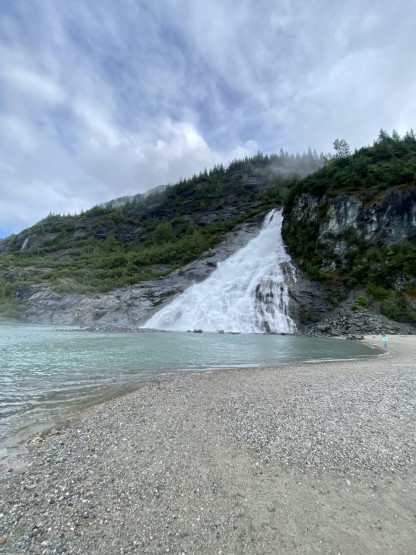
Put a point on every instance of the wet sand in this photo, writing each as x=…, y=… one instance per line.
x=304, y=458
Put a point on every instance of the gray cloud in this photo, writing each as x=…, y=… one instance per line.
x=100, y=99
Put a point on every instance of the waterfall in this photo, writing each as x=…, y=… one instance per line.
x=246, y=293
x=25, y=242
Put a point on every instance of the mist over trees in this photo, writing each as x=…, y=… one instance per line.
x=283, y=164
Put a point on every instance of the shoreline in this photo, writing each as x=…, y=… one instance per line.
x=13, y=444
x=317, y=457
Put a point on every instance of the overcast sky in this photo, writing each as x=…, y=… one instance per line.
x=104, y=98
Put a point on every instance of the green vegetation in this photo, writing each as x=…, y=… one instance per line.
x=361, y=301
x=370, y=171
x=10, y=306
x=92, y=265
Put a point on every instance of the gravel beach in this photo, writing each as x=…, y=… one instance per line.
x=301, y=458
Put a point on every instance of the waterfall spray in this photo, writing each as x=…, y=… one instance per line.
x=247, y=293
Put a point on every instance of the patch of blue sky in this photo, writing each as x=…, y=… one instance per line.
x=5, y=232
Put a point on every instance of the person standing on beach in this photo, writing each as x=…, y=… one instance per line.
x=384, y=340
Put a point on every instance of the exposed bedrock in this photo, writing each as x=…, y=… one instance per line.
x=390, y=219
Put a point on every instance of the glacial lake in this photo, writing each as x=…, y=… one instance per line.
x=47, y=375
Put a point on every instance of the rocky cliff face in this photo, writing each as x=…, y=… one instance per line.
x=336, y=227
x=389, y=219
x=311, y=301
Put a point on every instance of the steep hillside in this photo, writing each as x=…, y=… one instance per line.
x=352, y=226
x=133, y=240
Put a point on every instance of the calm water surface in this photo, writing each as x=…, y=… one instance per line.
x=47, y=375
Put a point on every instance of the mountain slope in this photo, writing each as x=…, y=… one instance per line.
x=124, y=243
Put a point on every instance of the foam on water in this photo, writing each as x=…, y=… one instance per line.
x=247, y=293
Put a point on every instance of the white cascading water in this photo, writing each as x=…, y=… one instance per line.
x=247, y=293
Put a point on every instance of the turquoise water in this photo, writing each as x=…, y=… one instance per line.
x=47, y=375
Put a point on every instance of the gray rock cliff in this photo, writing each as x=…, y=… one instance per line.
x=337, y=224
x=390, y=219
